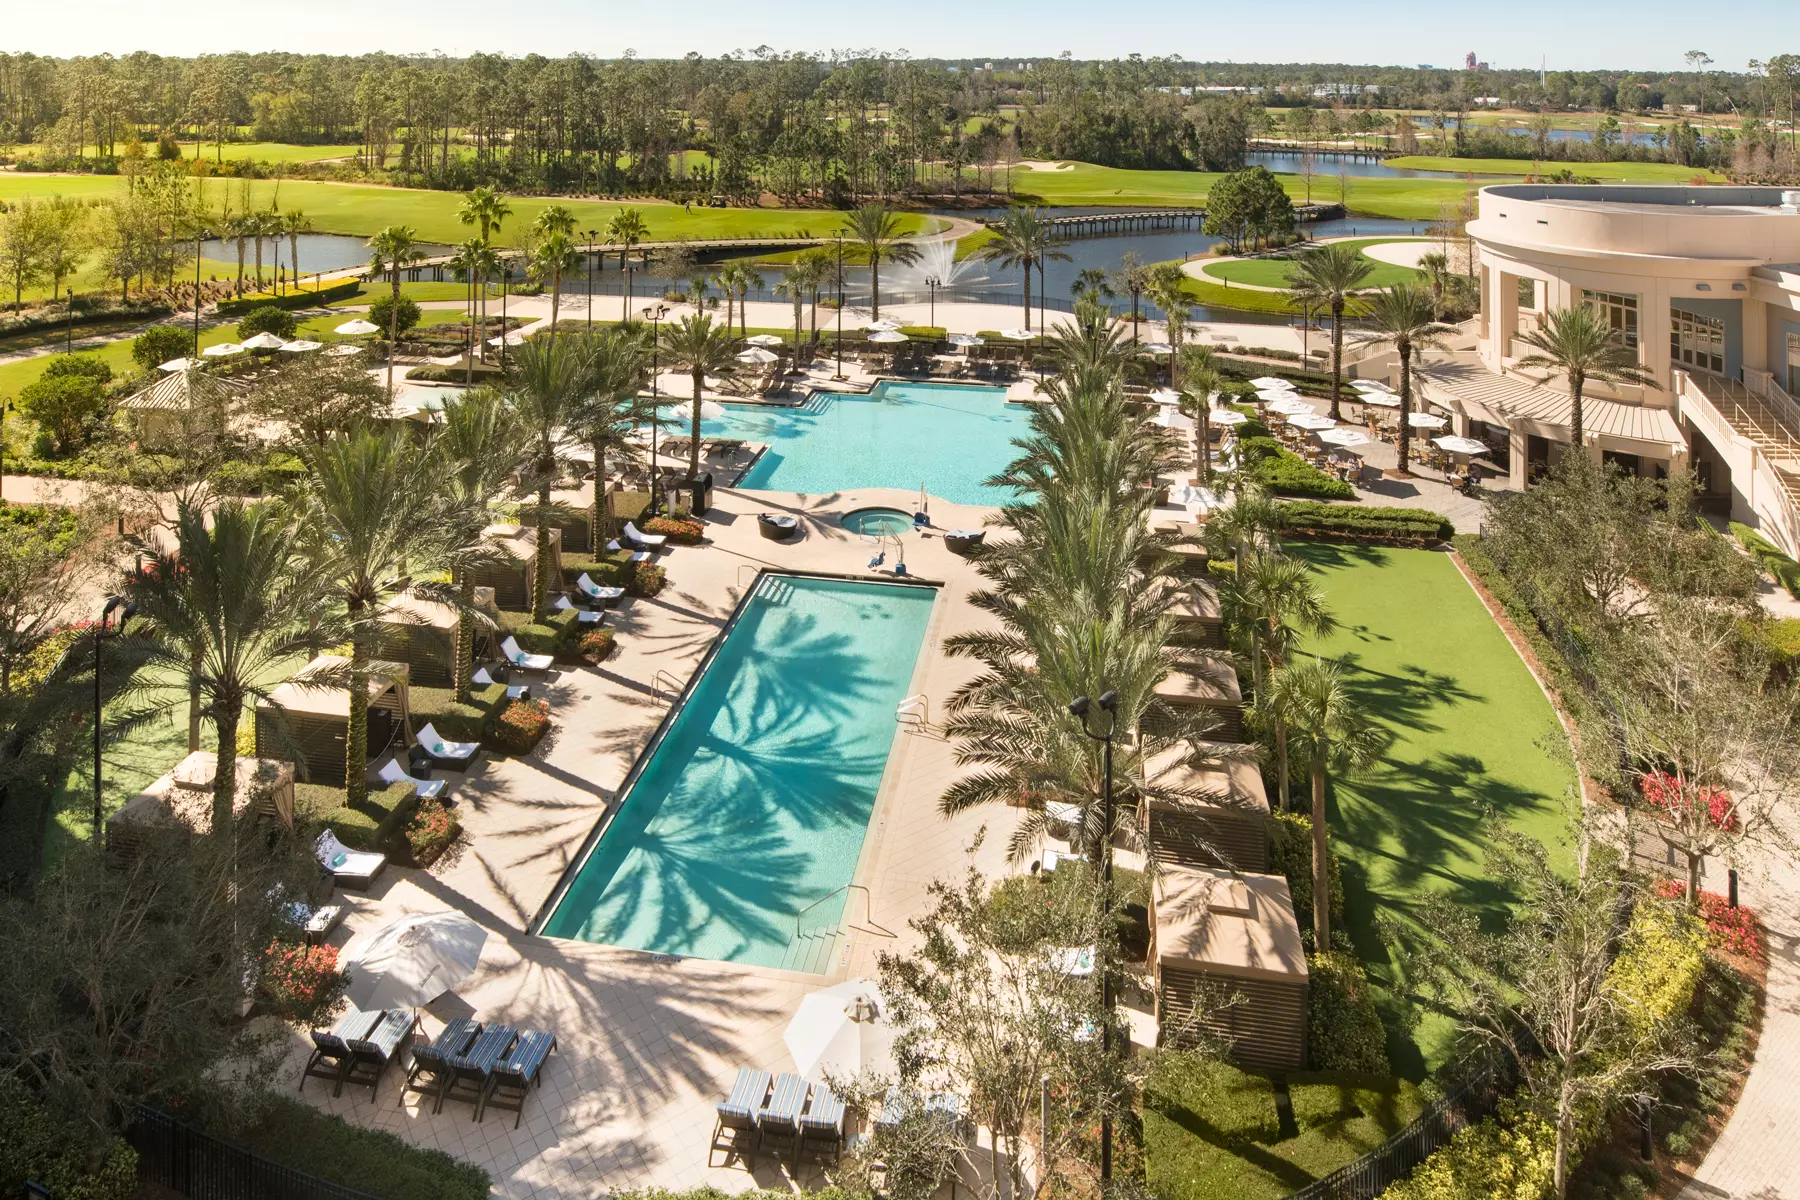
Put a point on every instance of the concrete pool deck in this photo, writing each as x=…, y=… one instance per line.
x=648, y=1045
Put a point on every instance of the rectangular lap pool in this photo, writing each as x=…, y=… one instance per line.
x=753, y=802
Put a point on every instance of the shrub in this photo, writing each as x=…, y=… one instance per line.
x=457, y=722
x=679, y=532
x=1291, y=475
x=533, y=638
x=160, y=343
x=430, y=831
x=65, y=407
x=1769, y=557
x=1510, y=1157
x=1290, y=855
x=382, y=313
x=267, y=318
x=1366, y=521
x=1735, y=930
x=1659, y=964
x=1343, y=1030
x=369, y=1160
x=79, y=366
x=647, y=579
x=300, y=983
x=1666, y=794
x=520, y=725
x=37, y=1145
x=1779, y=638
x=597, y=645
x=1253, y=449
x=376, y=824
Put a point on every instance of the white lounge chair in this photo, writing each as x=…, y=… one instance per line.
x=649, y=541
x=588, y=616
x=353, y=869
x=597, y=593
x=516, y=691
x=455, y=755
x=428, y=789
x=516, y=656
x=637, y=556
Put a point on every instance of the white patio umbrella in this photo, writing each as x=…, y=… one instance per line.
x=264, y=341
x=1420, y=420
x=1166, y=396
x=1019, y=335
x=882, y=326
x=1151, y=347
x=1293, y=406
x=756, y=354
x=763, y=339
x=1226, y=416
x=1379, y=399
x=1344, y=439
x=177, y=364
x=1457, y=444
x=1270, y=383
x=966, y=339
x=223, y=350
x=510, y=339
x=413, y=960
x=1311, y=422
x=888, y=336
x=358, y=328
x=1186, y=495
x=1170, y=418
x=301, y=346
x=710, y=411
x=1370, y=385
x=843, y=1028
x=1274, y=396
x=343, y=351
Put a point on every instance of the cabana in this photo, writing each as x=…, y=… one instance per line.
x=422, y=634
x=1206, y=683
x=1198, y=615
x=514, y=578
x=265, y=787
x=171, y=411
x=309, y=720
x=1214, y=934
x=1230, y=828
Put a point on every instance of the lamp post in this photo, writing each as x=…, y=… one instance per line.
x=1079, y=708
x=505, y=283
x=840, y=376
x=100, y=631
x=69, y=328
x=931, y=287
x=654, y=314
x=592, y=259
x=6, y=406
x=199, y=236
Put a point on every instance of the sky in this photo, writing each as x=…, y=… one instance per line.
x=1564, y=34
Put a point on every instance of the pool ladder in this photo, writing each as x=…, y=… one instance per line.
x=868, y=912
x=914, y=714
x=657, y=682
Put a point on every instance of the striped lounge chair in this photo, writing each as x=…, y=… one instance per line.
x=471, y=1070
x=332, y=1055
x=384, y=1045
x=822, y=1125
x=516, y=1074
x=779, y=1120
x=431, y=1063
x=737, y=1116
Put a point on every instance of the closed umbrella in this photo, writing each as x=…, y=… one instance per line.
x=888, y=336
x=358, y=328
x=763, y=339
x=1457, y=444
x=177, y=364
x=756, y=354
x=264, y=341
x=223, y=350
x=301, y=346
x=413, y=960
x=966, y=339
x=842, y=1029
x=1311, y=422
x=882, y=326
x=1420, y=420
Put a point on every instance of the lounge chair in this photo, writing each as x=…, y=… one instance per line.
x=332, y=1055
x=585, y=616
x=351, y=869
x=597, y=593
x=471, y=1070
x=737, y=1115
x=381, y=1048
x=455, y=756
x=432, y=1062
x=637, y=556
x=644, y=541
x=315, y=921
x=514, y=691
x=780, y=1115
x=513, y=1079
x=822, y=1125
x=516, y=657
x=961, y=541
x=429, y=789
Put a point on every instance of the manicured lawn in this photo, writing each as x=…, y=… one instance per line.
x=15, y=375
x=1472, y=732
x=1606, y=172
x=1275, y=272
x=1086, y=184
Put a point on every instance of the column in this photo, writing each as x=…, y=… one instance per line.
x=1515, y=456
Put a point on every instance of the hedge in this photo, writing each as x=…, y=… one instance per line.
x=1290, y=855
x=1769, y=557
x=458, y=722
x=302, y=298
x=1660, y=963
x=369, y=1160
x=1509, y=1157
x=1343, y=1030
x=1289, y=474
x=1364, y=521
x=374, y=825
x=38, y=1145
x=551, y=637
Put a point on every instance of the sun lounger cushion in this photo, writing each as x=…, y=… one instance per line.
x=514, y=1076
x=515, y=654
x=428, y=789
x=352, y=868
x=636, y=555
x=595, y=591
x=825, y=1115
x=643, y=539
x=781, y=1114
x=438, y=748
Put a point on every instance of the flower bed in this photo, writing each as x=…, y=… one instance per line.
x=299, y=982
x=430, y=832
x=1666, y=794
x=597, y=645
x=648, y=580
x=679, y=532
x=1734, y=930
x=520, y=726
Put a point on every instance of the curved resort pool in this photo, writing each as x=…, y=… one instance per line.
x=872, y=521
x=948, y=438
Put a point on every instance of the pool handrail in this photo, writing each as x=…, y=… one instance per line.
x=873, y=926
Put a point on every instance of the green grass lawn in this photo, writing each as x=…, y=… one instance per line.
x=1607, y=172
x=1472, y=731
x=1086, y=184
x=117, y=354
x=1275, y=272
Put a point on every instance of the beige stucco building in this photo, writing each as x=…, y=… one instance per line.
x=1703, y=281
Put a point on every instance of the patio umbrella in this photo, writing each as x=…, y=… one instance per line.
x=1457, y=444
x=756, y=354
x=842, y=1028
x=223, y=350
x=1379, y=399
x=1166, y=396
x=301, y=346
x=888, y=336
x=1186, y=495
x=178, y=364
x=1370, y=385
x=1344, y=439
x=1019, y=335
x=763, y=339
x=510, y=339
x=264, y=341
x=882, y=326
x=1170, y=418
x=414, y=960
x=358, y=328
x=343, y=351
x=1226, y=416
x=1271, y=383
x=1274, y=396
x=1420, y=420
x=965, y=339
x=1293, y=406
x=1150, y=347
x=710, y=411
x=1311, y=422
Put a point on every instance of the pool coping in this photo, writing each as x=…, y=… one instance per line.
x=566, y=880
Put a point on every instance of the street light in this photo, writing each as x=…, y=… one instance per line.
x=6, y=406
x=592, y=259
x=654, y=314
x=840, y=376
x=1079, y=708
x=932, y=285
x=100, y=631
x=505, y=283
x=69, y=329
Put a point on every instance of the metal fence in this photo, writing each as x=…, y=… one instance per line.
x=1381, y=1168
x=175, y=1155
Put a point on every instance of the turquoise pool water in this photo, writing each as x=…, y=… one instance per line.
x=946, y=437
x=878, y=520
x=754, y=803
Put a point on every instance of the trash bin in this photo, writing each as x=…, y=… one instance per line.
x=699, y=488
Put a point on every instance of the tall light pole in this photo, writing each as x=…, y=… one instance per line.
x=199, y=236
x=592, y=259
x=931, y=286
x=1079, y=708
x=654, y=314
x=505, y=283
x=840, y=376
x=100, y=631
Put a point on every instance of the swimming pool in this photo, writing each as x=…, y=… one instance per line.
x=752, y=805
x=946, y=437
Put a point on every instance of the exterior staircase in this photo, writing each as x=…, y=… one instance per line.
x=1757, y=433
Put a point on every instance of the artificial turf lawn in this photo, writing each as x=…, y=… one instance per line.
x=1472, y=732
x=1606, y=172
x=1275, y=272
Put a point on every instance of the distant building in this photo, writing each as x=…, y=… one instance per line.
x=1469, y=61
x=1326, y=91
x=1486, y=102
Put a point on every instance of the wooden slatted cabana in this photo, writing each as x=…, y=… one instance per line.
x=1230, y=828
x=307, y=719
x=514, y=578
x=422, y=634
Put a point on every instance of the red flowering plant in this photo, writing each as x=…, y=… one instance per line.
x=647, y=580
x=1734, y=930
x=1671, y=796
x=520, y=725
x=597, y=645
x=430, y=831
x=682, y=531
x=301, y=983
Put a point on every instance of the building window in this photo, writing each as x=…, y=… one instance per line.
x=1621, y=312
x=1697, y=341
x=1527, y=297
x=1793, y=364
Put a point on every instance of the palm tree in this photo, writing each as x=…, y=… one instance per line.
x=261, y=225
x=369, y=504
x=394, y=247
x=547, y=383
x=695, y=345
x=1327, y=277
x=1403, y=316
x=483, y=446
x=1132, y=277
x=1276, y=599
x=294, y=224
x=1579, y=343
x=240, y=228
x=1339, y=737
x=1024, y=238
x=880, y=232
x=746, y=280
x=625, y=230
x=795, y=289
x=1168, y=291
x=613, y=410
x=471, y=262
x=556, y=255
x=225, y=606
x=1436, y=265
x=812, y=270
x=1092, y=281
x=487, y=209
x=1200, y=379
x=1253, y=522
